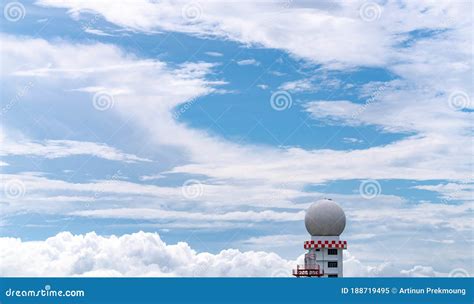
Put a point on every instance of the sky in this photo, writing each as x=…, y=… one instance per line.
x=177, y=138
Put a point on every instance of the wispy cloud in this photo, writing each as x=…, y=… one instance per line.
x=96, y=32
x=248, y=62
x=52, y=149
x=214, y=54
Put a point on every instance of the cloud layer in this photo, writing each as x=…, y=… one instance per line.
x=145, y=254
x=138, y=254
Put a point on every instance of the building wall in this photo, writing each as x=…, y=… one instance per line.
x=321, y=257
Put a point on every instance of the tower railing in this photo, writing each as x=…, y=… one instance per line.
x=306, y=271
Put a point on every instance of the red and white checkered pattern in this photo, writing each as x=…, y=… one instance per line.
x=325, y=244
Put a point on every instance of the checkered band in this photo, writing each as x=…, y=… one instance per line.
x=325, y=244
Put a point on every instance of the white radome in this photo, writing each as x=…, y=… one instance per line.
x=325, y=218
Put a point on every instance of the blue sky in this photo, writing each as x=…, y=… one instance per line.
x=218, y=125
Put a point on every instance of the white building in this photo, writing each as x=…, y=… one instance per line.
x=325, y=221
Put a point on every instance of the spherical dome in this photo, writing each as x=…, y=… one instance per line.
x=325, y=218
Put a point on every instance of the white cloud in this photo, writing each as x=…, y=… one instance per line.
x=146, y=254
x=214, y=54
x=352, y=140
x=335, y=110
x=210, y=196
x=430, y=69
x=355, y=268
x=457, y=217
x=96, y=32
x=258, y=171
x=156, y=214
x=152, y=177
x=248, y=62
x=422, y=271
x=64, y=148
x=331, y=36
x=262, y=163
x=452, y=191
x=138, y=254
x=274, y=241
x=298, y=85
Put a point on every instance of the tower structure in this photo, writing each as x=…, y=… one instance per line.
x=325, y=221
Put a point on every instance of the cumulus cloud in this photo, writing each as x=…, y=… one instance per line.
x=146, y=254
x=355, y=268
x=138, y=254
